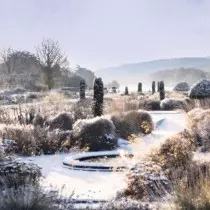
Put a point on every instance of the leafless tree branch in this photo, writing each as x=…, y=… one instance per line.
x=50, y=57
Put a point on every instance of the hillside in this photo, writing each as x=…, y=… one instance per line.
x=172, y=77
x=128, y=73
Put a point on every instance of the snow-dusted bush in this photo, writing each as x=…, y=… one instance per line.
x=29, y=97
x=198, y=121
x=22, y=135
x=176, y=151
x=140, y=121
x=149, y=104
x=14, y=91
x=49, y=142
x=192, y=187
x=182, y=86
x=32, y=140
x=125, y=204
x=38, y=120
x=62, y=121
x=200, y=90
x=146, y=182
x=82, y=109
x=173, y=104
x=133, y=122
x=95, y=134
x=14, y=173
x=31, y=197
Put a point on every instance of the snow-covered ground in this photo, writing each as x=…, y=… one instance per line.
x=104, y=185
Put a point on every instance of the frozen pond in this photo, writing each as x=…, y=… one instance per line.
x=104, y=185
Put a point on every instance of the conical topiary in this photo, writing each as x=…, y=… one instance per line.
x=153, y=87
x=140, y=87
x=126, y=91
x=98, y=97
x=158, y=86
x=162, y=90
x=82, y=89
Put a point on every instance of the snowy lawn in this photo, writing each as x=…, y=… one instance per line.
x=104, y=185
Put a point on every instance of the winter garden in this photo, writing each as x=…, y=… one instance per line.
x=68, y=143
x=131, y=150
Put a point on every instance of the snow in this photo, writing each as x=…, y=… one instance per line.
x=104, y=185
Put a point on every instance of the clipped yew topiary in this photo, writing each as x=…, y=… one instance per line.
x=82, y=89
x=153, y=87
x=162, y=90
x=140, y=87
x=126, y=91
x=98, y=97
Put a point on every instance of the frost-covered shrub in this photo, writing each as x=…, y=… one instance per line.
x=190, y=104
x=176, y=151
x=62, y=121
x=33, y=140
x=95, y=134
x=22, y=135
x=123, y=129
x=14, y=91
x=200, y=90
x=192, y=187
x=14, y=173
x=125, y=204
x=182, y=86
x=133, y=122
x=149, y=104
x=31, y=197
x=38, y=120
x=82, y=109
x=198, y=121
x=146, y=181
x=49, y=142
x=140, y=121
x=29, y=97
x=173, y=104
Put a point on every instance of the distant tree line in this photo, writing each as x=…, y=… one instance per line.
x=48, y=66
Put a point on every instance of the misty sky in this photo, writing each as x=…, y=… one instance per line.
x=101, y=33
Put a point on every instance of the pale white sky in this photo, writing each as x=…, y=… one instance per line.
x=101, y=33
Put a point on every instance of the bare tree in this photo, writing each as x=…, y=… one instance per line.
x=5, y=55
x=13, y=58
x=50, y=58
x=114, y=83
